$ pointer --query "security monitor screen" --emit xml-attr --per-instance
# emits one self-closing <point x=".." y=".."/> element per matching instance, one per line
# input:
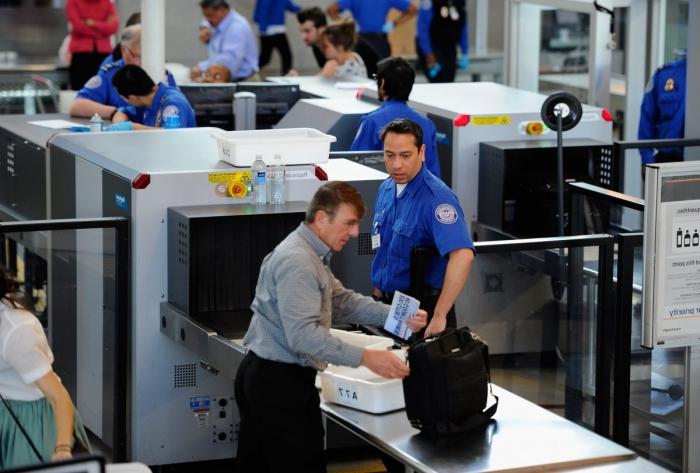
<point x="76" y="465"/>
<point x="272" y="101"/>
<point x="373" y="159"/>
<point x="212" y="103"/>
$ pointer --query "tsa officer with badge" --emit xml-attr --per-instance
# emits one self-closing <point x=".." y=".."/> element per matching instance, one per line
<point x="663" y="112"/>
<point x="415" y="208"/>
<point x="154" y="106"/>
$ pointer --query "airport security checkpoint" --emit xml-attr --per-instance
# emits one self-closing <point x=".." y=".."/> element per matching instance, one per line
<point x="507" y="281"/>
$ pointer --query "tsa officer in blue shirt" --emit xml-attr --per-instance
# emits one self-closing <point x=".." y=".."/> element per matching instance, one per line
<point x="370" y="16"/>
<point x="663" y="111"/>
<point x="441" y="27"/>
<point x="230" y="42"/>
<point x="154" y="105"/>
<point x="395" y="78"/>
<point x="99" y="95"/>
<point x="415" y="208"/>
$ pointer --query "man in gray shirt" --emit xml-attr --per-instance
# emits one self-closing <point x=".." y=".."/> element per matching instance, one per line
<point x="296" y="299"/>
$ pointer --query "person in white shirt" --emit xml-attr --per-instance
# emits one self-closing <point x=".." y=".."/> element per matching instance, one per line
<point x="32" y="394"/>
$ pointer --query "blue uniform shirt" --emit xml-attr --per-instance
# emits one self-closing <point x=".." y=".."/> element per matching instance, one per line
<point x="167" y="101"/>
<point x="271" y="13"/>
<point x="663" y="108"/>
<point x="233" y="45"/>
<point x="425" y="19"/>
<point x="367" y="137"/>
<point x="370" y="15"/>
<point x="427" y="213"/>
<point x="100" y="89"/>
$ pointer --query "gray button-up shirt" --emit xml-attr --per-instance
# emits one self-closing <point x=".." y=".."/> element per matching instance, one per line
<point x="296" y="299"/>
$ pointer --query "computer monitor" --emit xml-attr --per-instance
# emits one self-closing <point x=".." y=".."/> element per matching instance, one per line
<point x="373" y="159"/>
<point x="90" y="464"/>
<point x="272" y="100"/>
<point x="212" y="103"/>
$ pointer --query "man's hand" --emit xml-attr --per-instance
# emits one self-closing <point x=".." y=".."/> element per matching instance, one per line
<point x="430" y="60"/>
<point x="385" y="364"/>
<point x="292" y="73"/>
<point x="195" y="73"/>
<point x="204" y="34"/>
<point x="120" y="117"/>
<point x="437" y="326"/>
<point x="418" y="321"/>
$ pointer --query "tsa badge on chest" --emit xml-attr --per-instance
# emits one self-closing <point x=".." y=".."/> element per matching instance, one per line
<point x="670" y="85"/>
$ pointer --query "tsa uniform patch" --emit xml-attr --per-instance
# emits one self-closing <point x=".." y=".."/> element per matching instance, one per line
<point x="94" y="82"/>
<point x="446" y="214"/>
<point x="171" y="110"/>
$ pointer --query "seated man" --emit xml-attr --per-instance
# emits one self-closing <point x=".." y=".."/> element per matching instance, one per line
<point x="153" y="105"/>
<point x="98" y="95"/>
<point x="395" y="79"/>
<point x="216" y="74"/>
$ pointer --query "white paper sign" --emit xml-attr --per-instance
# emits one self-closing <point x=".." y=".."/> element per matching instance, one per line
<point x="56" y="124"/>
<point x="678" y="265"/>
<point x="402" y="307"/>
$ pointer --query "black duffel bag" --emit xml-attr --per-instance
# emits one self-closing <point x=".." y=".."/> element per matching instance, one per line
<point x="447" y="390"/>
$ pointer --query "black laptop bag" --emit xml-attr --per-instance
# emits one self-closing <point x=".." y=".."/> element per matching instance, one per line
<point x="447" y="390"/>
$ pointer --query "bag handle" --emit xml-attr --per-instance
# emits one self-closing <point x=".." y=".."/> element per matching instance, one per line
<point x="21" y="428"/>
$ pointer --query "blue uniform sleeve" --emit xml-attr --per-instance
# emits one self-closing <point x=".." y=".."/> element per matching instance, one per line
<point x="432" y="160"/>
<point x="464" y="38"/>
<point x="447" y="224"/>
<point x="95" y="89"/>
<point x="425" y="17"/>
<point x="647" y="120"/>
<point x="291" y="6"/>
<point x="261" y="17"/>
<point x="367" y="137"/>
<point x="344" y="4"/>
<point x="171" y="79"/>
<point x="402" y="5"/>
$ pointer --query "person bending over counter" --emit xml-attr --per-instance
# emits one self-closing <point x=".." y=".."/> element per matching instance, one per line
<point x="296" y="300"/>
<point x="342" y="62"/>
<point x="415" y="208"/>
<point x="154" y="106"/>
<point x="395" y="78"/>
<point x="99" y="95"/>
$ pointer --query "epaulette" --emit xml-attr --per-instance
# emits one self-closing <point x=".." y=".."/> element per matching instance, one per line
<point x="109" y="66"/>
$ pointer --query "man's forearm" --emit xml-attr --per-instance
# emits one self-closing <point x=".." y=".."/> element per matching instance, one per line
<point x="87" y="108"/>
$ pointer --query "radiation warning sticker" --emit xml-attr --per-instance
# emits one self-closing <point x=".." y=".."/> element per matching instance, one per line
<point x="228" y="176"/>
<point x="491" y="120"/>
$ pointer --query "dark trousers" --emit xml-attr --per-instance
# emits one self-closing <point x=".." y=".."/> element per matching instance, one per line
<point x="281" y="427"/>
<point x="446" y="56"/>
<point x="379" y="43"/>
<point x="275" y="41"/>
<point x="83" y="66"/>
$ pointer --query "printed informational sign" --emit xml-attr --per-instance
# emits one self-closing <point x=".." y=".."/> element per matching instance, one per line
<point x="402" y="307"/>
<point x="678" y="274"/>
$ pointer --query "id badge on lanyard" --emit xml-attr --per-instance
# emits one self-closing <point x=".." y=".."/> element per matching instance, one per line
<point x="376" y="237"/>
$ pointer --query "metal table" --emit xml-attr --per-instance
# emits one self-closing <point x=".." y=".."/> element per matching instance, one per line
<point x="323" y="88"/>
<point x="525" y="437"/>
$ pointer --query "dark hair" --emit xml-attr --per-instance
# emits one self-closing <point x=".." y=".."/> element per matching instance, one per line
<point x="134" y="19"/>
<point x="313" y="14"/>
<point x="215" y="4"/>
<point x="132" y="80"/>
<point x="398" y="77"/>
<point x="8" y="287"/>
<point x="329" y="196"/>
<point x="404" y="126"/>
<point x="341" y="34"/>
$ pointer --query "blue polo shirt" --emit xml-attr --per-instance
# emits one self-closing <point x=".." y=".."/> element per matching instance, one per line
<point x="663" y="108"/>
<point x="370" y="15"/>
<point x="100" y="89"/>
<point x="427" y="213"/>
<point x="167" y="101"/>
<point x="367" y="137"/>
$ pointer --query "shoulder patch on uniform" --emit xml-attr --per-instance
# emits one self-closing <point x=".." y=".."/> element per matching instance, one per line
<point x="108" y="66"/>
<point x="94" y="82"/>
<point x="171" y="110"/>
<point x="446" y="213"/>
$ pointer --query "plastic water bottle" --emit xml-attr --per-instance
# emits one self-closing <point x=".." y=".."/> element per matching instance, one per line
<point x="172" y="121"/>
<point x="259" y="171"/>
<point x="96" y="122"/>
<point x="275" y="174"/>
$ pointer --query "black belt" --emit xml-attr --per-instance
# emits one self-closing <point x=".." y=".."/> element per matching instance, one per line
<point x="427" y="292"/>
<point x="280" y="365"/>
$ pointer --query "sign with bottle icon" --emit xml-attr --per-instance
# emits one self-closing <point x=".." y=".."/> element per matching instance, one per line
<point x="678" y="267"/>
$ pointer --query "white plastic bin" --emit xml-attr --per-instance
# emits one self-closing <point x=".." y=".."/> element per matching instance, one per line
<point x="362" y="389"/>
<point x="295" y="145"/>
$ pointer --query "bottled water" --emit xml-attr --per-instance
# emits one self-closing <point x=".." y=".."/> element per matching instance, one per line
<point x="96" y="122"/>
<point x="172" y="121"/>
<point x="277" y="185"/>
<point x="259" y="172"/>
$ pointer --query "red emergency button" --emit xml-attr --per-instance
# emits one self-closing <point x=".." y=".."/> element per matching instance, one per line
<point x="461" y="120"/>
